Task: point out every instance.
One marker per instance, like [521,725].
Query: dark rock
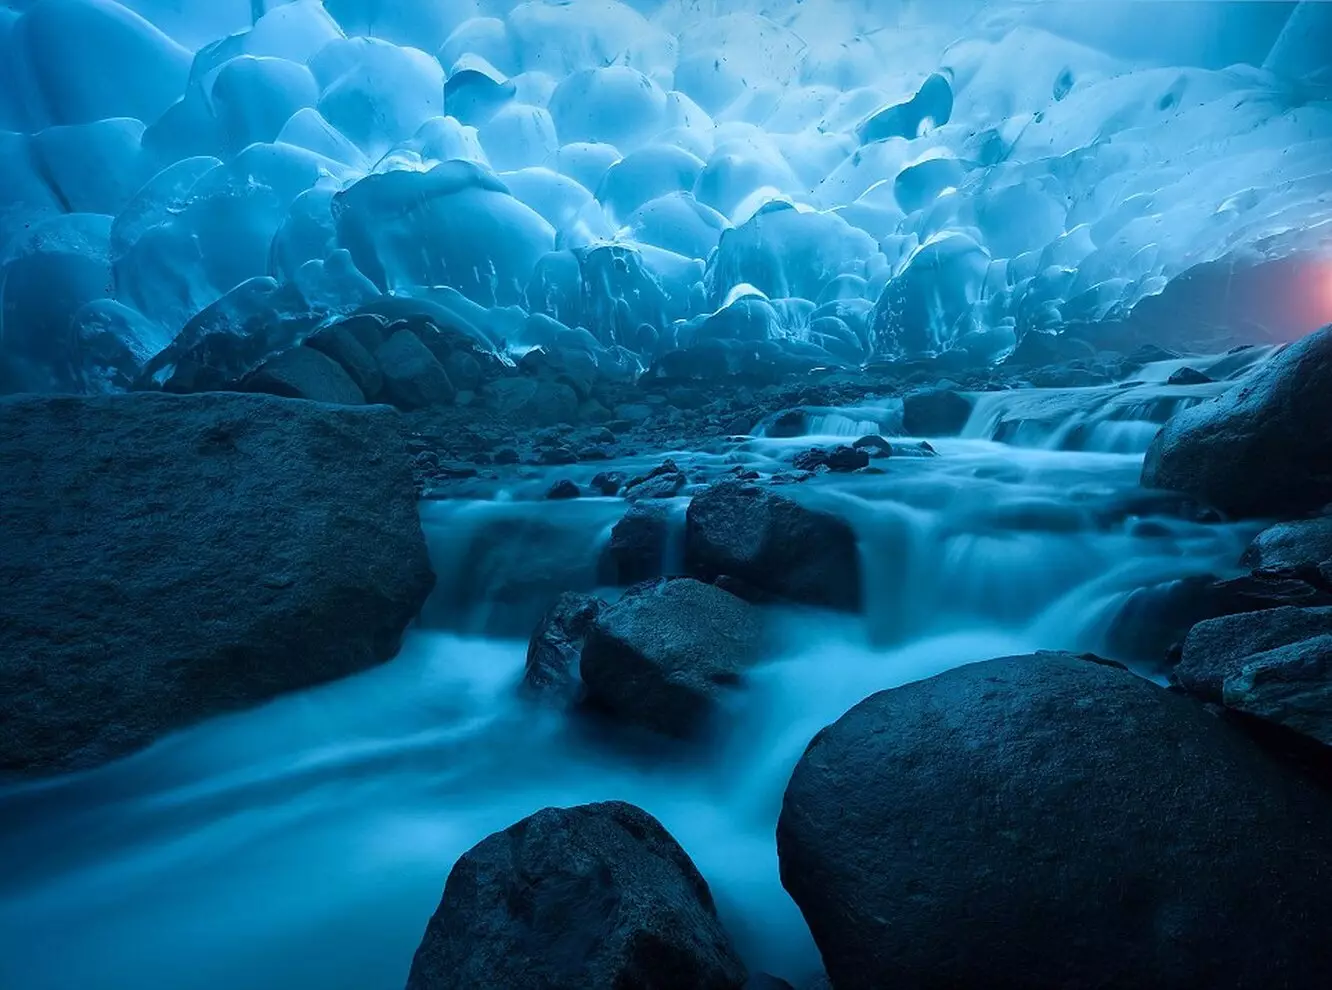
[555,645]
[365,328]
[773,543]
[168,558]
[1188,376]
[1218,649]
[1261,448]
[1290,686]
[847,459]
[637,548]
[227,340]
[1115,834]
[935,412]
[792,423]
[664,481]
[608,482]
[413,378]
[342,344]
[557,456]
[506,455]
[811,460]
[1300,546]
[1154,619]
[661,656]
[921,449]
[874,445]
[599,895]
[304,373]
[531,401]
[1039,349]
[563,489]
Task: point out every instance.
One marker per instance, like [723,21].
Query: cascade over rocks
[1262,448]
[1096,829]
[662,655]
[773,544]
[598,895]
[176,557]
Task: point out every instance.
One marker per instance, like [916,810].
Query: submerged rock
[553,650]
[1048,821]
[599,895]
[661,656]
[1261,448]
[169,558]
[774,544]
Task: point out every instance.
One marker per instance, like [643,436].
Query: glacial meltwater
[306,842]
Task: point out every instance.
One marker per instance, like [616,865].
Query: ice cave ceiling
[852,180]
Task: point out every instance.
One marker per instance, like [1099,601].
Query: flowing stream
[306,842]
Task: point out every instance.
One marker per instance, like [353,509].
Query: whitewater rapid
[306,843]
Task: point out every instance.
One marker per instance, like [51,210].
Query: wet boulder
[935,412]
[553,650]
[1275,665]
[840,458]
[563,489]
[1303,546]
[774,544]
[341,344]
[637,548]
[1188,376]
[598,895]
[413,378]
[304,373]
[526,401]
[666,480]
[661,656]
[1261,448]
[169,558]
[1050,821]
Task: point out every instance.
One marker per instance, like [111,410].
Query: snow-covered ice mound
[888,180]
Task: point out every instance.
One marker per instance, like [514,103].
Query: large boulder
[305,373]
[1217,650]
[1303,546]
[1261,448]
[169,557]
[1274,665]
[599,895]
[663,654]
[638,543]
[413,377]
[773,544]
[935,412]
[1049,821]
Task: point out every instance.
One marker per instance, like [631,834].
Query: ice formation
[923,177]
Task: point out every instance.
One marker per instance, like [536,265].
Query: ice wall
[894,179]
